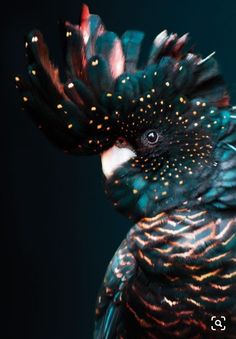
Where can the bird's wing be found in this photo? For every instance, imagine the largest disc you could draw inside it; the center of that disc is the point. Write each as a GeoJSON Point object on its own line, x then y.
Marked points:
{"type": "Point", "coordinates": [108, 326]}
{"type": "Point", "coordinates": [109, 319]}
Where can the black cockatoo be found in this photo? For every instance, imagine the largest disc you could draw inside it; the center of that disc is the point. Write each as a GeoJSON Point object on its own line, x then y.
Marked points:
{"type": "Point", "coordinates": [167, 138]}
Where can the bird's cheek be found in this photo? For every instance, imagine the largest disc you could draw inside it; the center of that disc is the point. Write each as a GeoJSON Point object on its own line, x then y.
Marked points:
{"type": "Point", "coordinates": [115, 157]}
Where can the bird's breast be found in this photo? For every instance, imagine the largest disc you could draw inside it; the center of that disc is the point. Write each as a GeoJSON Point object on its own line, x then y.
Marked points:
{"type": "Point", "coordinates": [186, 274]}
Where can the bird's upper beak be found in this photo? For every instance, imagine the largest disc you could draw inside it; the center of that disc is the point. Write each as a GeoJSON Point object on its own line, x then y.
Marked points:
{"type": "Point", "coordinates": [115, 157]}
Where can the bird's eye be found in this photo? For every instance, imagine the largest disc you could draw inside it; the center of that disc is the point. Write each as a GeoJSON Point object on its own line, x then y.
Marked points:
{"type": "Point", "coordinates": [150, 138]}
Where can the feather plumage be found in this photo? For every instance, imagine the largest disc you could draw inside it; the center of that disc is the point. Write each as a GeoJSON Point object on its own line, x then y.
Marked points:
{"type": "Point", "coordinates": [131, 43]}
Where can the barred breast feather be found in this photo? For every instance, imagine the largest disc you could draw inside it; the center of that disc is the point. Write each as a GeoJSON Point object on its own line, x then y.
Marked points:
{"type": "Point", "coordinates": [183, 273]}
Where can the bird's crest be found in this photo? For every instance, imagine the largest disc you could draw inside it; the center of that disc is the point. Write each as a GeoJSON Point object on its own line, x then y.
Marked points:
{"type": "Point", "coordinates": [104, 83]}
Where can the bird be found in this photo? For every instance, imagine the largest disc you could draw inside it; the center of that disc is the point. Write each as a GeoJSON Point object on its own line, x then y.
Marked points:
{"type": "Point", "coordinates": [165, 132]}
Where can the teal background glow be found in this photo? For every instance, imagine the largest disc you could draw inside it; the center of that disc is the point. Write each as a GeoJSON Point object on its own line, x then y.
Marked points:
{"type": "Point", "coordinates": [60, 231]}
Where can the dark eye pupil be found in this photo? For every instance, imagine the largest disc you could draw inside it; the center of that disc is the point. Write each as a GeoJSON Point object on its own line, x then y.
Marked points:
{"type": "Point", "coordinates": [152, 137]}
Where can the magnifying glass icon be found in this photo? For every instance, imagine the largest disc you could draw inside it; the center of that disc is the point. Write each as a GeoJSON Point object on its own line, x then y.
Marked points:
{"type": "Point", "coordinates": [218, 323]}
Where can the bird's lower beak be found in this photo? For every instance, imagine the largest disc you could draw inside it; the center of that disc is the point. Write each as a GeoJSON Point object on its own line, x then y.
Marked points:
{"type": "Point", "coordinates": [114, 158]}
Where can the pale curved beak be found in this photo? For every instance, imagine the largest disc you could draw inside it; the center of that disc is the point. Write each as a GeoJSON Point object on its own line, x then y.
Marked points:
{"type": "Point", "coordinates": [114, 158]}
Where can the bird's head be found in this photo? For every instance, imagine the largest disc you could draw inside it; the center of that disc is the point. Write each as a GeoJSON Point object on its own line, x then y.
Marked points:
{"type": "Point", "coordinates": [166, 152]}
{"type": "Point", "coordinates": [157, 129]}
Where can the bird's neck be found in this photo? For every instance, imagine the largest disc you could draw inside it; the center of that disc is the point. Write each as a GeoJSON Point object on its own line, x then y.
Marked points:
{"type": "Point", "coordinates": [183, 237]}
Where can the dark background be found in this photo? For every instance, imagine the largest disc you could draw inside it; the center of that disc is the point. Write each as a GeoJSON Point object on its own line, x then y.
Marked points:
{"type": "Point", "coordinates": [58, 230]}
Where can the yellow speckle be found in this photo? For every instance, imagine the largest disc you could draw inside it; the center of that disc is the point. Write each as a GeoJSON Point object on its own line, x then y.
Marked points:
{"type": "Point", "coordinates": [109, 94]}
{"type": "Point", "coordinates": [99, 126]}
{"type": "Point", "coordinates": [141, 99]}
{"type": "Point", "coordinates": [164, 193]}
{"type": "Point", "coordinates": [181, 99]}
{"type": "Point", "coordinates": [119, 97]}
{"type": "Point", "coordinates": [166, 183]}
{"type": "Point", "coordinates": [33, 72]}
{"type": "Point", "coordinates": [135, 191]}
{"type": "Point", "coordinates": [70, 126]}
{"type": "Point", "coordinates": [68, 33]}
{"type": "Point", "coordinates": [93, 108]}
{"type": "Point", "coordinates": [90, 141]}
{"type": "Point", "coordinates": [181, 182]}
{"type": "Point", "coordinates": [25, 99]}
{"type": "Point", "coordinates": [167, 83]}
{"type": "Point", "coordinates": [148, 96]}
{"type": "Point", "coordinates": [59, 106]}
{"type": "Point", "coordinates": [17, 79]}
{"type": "Point", "coordinates": [95, 62]}
{"type": "Point", "coordinates": [90, 122]}
{"type": "Point", "coordinates": [70, 85]}
{"type": "Point", "coordinates": [34, 39]}
{"type": "Point", "coordinates": [106, 117]}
